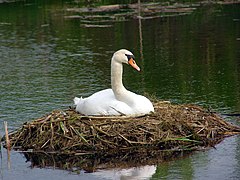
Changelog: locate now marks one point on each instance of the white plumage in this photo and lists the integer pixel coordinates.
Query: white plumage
(118, 100)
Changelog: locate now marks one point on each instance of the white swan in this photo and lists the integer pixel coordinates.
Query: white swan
(118, 100)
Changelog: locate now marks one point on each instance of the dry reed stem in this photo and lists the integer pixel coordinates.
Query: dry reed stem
(8, 144)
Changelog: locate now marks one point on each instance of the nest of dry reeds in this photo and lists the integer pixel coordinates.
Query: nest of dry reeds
(171, 127)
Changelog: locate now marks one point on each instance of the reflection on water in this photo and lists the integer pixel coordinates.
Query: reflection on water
(197, 57)
(135, 173)
(46, 60)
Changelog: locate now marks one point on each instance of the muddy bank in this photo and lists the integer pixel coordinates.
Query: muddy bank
(103, 16)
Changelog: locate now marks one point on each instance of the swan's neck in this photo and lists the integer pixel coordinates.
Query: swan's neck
(116, 80)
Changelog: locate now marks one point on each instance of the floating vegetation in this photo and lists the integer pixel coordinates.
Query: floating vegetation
(69, 137)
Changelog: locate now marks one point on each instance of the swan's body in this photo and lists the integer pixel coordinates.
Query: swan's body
(105, 103)
(118, 100)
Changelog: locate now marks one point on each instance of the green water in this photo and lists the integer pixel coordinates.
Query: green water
(47, 59)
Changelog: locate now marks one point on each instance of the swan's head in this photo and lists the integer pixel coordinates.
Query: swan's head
(125, 56)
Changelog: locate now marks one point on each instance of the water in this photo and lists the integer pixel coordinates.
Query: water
(47, 59)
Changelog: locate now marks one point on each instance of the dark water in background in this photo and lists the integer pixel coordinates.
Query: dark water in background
(47, 59)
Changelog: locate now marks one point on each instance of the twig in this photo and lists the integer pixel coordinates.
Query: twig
(79, 134)
(99, 129)
(132, 142)
(108, 142)
(16, 140)
(113, 117)
(52, 134)
(45, 143)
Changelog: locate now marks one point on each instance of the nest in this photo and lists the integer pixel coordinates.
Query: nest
(71, 141)
(171, 127)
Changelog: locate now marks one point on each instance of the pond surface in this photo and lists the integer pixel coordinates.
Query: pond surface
(47, 59)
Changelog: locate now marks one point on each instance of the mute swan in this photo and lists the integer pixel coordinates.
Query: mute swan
(118, 100)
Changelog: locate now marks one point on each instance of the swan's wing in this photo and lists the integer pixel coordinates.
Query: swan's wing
(143, 105)
(101, 103)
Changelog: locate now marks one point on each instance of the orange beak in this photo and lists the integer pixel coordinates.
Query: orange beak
(133, 64)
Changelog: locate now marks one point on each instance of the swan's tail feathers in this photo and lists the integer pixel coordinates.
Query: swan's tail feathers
(77, 100)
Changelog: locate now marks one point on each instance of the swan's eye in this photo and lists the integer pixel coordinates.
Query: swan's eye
(130, 56)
